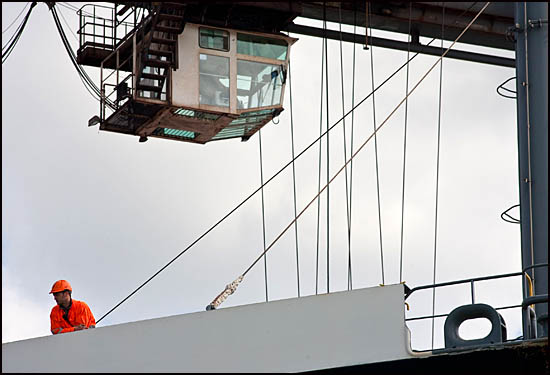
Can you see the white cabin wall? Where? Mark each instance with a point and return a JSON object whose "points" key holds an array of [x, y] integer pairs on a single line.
{"points": [[185, 80]]}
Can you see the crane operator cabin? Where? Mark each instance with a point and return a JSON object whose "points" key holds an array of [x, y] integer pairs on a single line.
{"points": [[189, 82]]}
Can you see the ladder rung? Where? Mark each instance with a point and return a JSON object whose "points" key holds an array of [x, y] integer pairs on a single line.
{"points": [[170, 17], [167, 29], [172, 5], [163, 40], [149, 88], [152, 76], [157, 63], [159, 52]]}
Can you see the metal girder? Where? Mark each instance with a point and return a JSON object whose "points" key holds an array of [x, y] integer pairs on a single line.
{"points": [[426, 19], [490, 30], [532, 124], [403, 46]]}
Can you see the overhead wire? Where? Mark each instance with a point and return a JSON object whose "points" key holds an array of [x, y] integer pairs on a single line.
{"points": [[12, 42], [405, 150], [68, 26], [345, 140], [16, 18], [258, 189], [328, 144], [437, 168], [294, 180], [350, 280], [13, 37], [510, 219], [376, 151], [230, 288], [320, 160], [263, 209], [501, 87], [69, 6], [88, 82]]}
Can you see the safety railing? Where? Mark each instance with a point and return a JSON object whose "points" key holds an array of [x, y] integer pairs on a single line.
{"points": [[96, 27], [534, 299], [117, 86], [117, 69], [472, 281], [102, 27]]}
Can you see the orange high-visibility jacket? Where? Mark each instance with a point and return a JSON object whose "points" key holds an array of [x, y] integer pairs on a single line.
{"points": [[79, 313]]}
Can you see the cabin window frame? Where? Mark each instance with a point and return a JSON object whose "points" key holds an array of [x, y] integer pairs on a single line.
{"points": [[215, 29], [234, 57]]}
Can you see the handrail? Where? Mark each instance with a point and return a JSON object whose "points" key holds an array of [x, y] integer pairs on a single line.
{"points": [[471, 281], [442, 315], [89, 18], [535, 265], [408, 293], [534, 299], [464, 281], [93, 16]]}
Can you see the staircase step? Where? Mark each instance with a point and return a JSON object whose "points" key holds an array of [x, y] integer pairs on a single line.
{"points": [[149, 88], [173, 5], [157, 63], [152, 76], [157, 52], [167, 29], [163, 41], [170, 17]]}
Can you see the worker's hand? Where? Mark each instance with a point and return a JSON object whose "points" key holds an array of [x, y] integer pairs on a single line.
{"points": [[80, 327]]}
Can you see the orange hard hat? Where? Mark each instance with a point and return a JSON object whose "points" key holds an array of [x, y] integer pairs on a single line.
{"points": [[61, 285]]}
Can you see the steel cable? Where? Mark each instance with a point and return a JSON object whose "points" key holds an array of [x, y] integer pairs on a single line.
{"points": [[350, 280], [88, 82], [263, 209], [294, 181], [320, 160], [511, 219], [328, 143], [233, 285], [405, 151], [501, 87], [12, 42], [258, 189], [345, 139], [376, 154], [16, 18], [437, 168]]}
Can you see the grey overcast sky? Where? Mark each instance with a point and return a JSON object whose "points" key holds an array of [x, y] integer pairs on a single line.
{"points": [[106, 212]]}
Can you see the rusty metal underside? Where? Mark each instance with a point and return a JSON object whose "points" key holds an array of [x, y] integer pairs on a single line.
{"points": [[490, 30], [426, 17], [146, 119]]}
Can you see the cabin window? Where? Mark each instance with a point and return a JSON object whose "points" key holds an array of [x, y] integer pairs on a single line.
{"points": [[258, 84], [255, 45], [214, 39], [214, 80]]}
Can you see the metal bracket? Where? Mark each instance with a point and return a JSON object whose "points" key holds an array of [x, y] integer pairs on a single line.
{"points": [[536, 23], [511, 30]]}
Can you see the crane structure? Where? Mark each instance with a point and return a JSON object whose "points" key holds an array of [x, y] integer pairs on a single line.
{"points": [[171, 53], [197, 72]]}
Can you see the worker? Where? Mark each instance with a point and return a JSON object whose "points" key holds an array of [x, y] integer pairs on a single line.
{"points": [[69, 315]]}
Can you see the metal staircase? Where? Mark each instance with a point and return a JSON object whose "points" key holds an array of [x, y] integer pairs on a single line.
{"points": [[158, 52]]}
